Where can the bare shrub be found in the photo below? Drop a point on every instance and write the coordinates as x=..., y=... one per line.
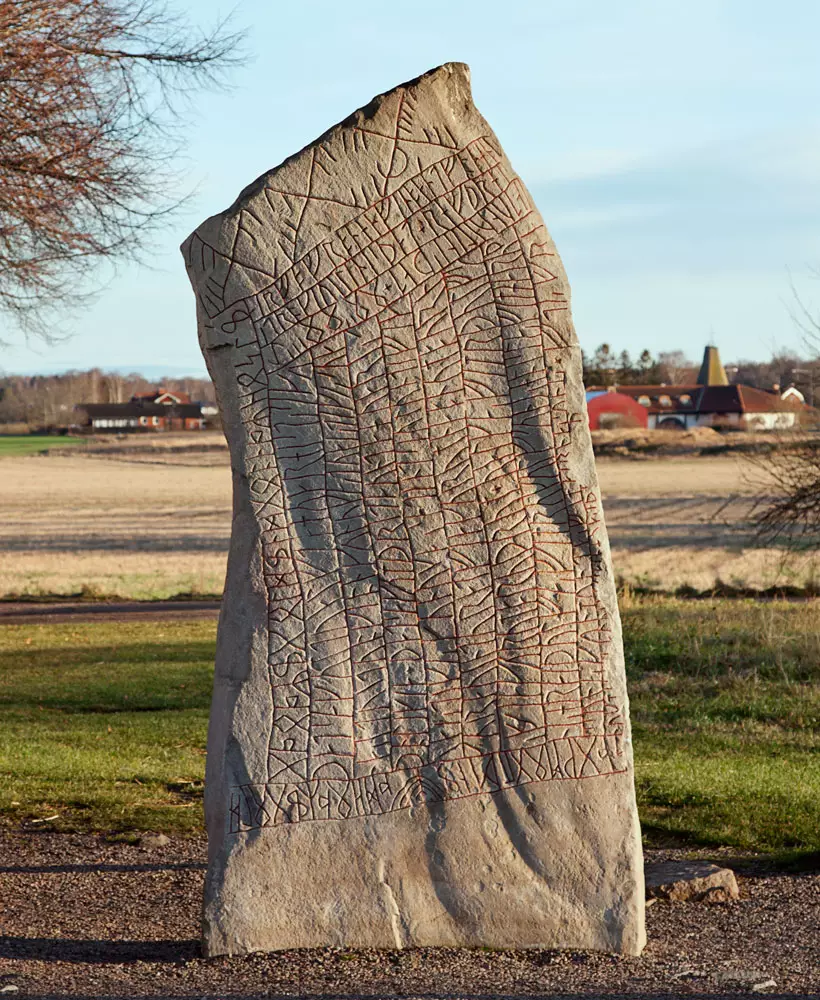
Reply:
x=787, y=480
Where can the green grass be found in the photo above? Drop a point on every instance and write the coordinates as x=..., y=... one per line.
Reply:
x=726, y=715
x=14, y=445
x=105, y=724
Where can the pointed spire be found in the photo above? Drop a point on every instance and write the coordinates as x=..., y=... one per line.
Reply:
x=712, y=371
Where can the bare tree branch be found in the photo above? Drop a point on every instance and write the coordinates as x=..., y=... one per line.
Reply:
x=92, y=96
x=787, y=482
x=806, y=321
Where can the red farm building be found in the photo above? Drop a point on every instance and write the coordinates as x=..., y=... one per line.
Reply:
x=609, y=409
x=710, y=402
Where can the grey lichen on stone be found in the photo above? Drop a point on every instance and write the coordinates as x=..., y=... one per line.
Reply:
x=420, y=730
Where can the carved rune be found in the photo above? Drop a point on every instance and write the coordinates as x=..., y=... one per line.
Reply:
x=400, y=344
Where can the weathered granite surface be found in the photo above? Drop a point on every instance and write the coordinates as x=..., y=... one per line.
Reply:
x=419, y=732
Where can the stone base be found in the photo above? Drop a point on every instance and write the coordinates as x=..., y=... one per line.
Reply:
x=548, y=865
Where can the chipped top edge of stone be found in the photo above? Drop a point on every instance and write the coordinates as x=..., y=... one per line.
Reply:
x=365, y=113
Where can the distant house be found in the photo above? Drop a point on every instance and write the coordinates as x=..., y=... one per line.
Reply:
x=712, y=402
x=162, y=396
x=160, y=410
x=791, y=392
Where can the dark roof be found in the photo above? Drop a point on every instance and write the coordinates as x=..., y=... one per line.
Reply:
x=106, y=410
x=725, y=399
x=654, y=393
x=744, y=399
x=711, y=399
x=155, y=394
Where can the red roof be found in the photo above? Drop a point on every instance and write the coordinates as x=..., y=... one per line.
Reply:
x=708, y=399
x=616, y=403
x=760, y=401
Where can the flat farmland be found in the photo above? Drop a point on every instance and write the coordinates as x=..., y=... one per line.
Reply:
x=149, y=523
x=151, y=519
x=686, y=522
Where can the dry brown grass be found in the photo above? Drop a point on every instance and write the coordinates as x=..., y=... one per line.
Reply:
x=113, y=525
x=723, y=476
x=150, y=517
x=686, y=522
x=672, y=568
x=132, y=575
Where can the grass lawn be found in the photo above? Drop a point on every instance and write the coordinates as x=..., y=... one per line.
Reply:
x=726, y=714
x=15, y=445
x=105, y=723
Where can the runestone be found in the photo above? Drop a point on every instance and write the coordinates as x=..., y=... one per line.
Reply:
x=420, y=732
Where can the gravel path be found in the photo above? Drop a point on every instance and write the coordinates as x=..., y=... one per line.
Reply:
x=80, y=917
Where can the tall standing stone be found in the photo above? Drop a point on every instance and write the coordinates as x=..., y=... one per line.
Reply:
x=419, y=732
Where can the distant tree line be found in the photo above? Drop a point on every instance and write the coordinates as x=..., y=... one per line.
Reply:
x=783, y=369
x=607, y=367
x=43, y=401
x=50, y=400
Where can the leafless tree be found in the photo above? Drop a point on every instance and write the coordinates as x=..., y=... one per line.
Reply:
x=92, y=94
x=787, y=509
x=787, y=480
x=805, y=318
x=676, y=368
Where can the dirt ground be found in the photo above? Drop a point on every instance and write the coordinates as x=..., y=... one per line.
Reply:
x=152, y=520
x=80, y=917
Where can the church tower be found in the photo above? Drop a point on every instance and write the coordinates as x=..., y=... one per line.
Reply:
x=712, y=371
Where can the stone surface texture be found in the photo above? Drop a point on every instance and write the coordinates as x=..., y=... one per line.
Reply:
x=419, y=732
x=683, y=881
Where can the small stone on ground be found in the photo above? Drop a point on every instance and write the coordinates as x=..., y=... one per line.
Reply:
x=684, y=881
x=151, y=840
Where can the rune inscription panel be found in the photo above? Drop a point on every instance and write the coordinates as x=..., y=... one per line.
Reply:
x=398, y=322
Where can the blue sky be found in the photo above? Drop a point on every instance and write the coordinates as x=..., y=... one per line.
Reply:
x=673, y=149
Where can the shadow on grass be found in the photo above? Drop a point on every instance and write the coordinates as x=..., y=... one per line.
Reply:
x=773, y=864
x=116, y=543
x=184, y=650
x=127, y=678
